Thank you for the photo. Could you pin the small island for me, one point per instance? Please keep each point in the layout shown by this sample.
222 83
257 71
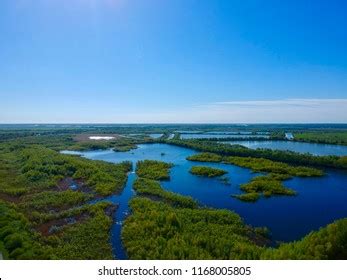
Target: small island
207 171
247 197
267 185
153 169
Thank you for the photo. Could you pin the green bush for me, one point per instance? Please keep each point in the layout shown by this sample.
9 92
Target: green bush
152 188
153 169
207 171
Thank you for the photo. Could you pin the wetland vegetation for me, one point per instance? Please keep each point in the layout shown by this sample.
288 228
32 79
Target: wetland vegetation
43 217
207 171
153 169
337 138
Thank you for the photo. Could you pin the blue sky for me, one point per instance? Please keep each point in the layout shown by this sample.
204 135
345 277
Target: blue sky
168 61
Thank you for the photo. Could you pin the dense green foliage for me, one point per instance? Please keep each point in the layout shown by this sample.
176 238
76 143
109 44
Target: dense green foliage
11 183
265 165
275 155
124 147
153 169
266 185
156 230
19 241
50 221
151 188
50 200
43 168
206 157
82 240
207 171
247 197
339 138
88 240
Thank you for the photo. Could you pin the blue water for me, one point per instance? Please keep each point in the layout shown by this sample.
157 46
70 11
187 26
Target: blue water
319 201
222 135
300 147
238 132
120 215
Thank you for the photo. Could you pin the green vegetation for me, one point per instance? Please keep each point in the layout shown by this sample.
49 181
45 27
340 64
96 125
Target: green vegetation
43 168
274 155
88 240
49 221
151 188
153 169
82 240
205 157
124 148
247 197
51 200
266 185
207 171
265 165
18 240
156 230
338 138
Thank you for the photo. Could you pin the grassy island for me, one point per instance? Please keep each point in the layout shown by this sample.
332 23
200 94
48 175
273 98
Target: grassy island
266 185
247 197
153 169
205 157
207 171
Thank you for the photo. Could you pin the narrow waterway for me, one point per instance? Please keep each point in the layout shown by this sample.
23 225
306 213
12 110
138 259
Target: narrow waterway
122 201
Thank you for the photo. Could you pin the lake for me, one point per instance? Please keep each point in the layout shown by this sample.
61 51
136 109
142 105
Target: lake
221 135
319 201
300 147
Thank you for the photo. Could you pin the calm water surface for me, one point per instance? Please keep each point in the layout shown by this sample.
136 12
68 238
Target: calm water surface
222 135
300 147
319 201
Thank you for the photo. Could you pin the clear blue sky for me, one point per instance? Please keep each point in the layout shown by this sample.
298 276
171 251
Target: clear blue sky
173 61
